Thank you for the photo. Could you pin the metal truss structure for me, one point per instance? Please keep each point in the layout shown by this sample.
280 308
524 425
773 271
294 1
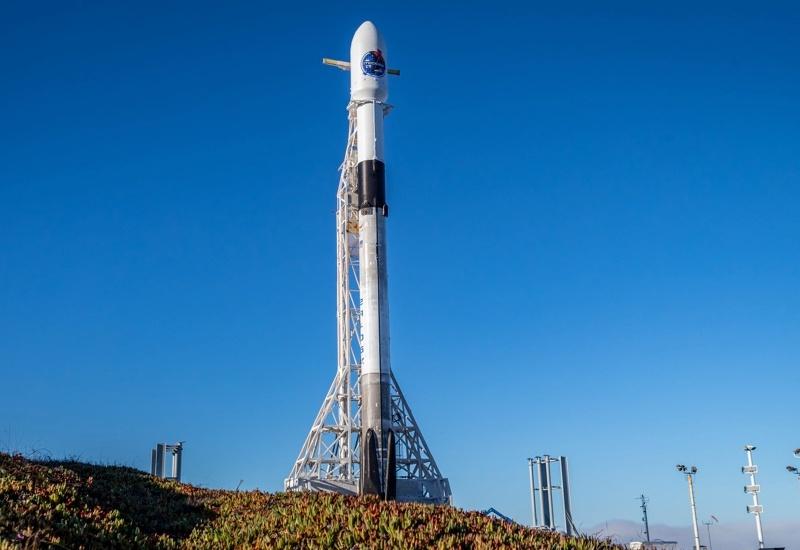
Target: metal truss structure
330 457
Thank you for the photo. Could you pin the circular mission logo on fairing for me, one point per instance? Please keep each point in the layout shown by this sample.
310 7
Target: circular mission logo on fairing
373 64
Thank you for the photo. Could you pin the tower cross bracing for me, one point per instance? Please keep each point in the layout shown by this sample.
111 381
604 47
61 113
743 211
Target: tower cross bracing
330 457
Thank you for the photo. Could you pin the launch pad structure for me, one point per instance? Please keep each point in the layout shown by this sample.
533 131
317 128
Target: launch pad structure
399 463
544 485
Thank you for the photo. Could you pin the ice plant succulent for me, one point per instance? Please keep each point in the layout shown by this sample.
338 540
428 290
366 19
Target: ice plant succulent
45 504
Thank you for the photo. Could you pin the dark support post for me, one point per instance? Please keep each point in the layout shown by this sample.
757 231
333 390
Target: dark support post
176 471
370 477
565 494
391 468
545 494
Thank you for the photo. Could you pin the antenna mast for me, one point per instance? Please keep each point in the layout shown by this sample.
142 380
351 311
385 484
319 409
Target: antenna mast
645 500
753 489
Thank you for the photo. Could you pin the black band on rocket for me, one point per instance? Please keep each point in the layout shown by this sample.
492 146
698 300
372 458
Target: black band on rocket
371 175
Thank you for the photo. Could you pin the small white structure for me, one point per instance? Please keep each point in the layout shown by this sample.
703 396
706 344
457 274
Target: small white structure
545 487
158 460
654 545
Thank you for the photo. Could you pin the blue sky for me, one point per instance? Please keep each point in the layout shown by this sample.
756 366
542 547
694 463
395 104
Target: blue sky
593 248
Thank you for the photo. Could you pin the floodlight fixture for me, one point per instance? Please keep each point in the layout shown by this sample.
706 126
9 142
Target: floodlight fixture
694 469
797 453
680 467
792 469
749 447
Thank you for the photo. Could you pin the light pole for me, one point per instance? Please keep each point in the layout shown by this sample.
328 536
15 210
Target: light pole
689 472
756 509
708 525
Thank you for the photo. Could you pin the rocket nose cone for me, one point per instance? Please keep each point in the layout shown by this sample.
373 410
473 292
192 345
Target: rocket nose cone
368 64
366 34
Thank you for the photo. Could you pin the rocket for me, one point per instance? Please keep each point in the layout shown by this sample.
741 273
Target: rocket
368 94
369 89
365 440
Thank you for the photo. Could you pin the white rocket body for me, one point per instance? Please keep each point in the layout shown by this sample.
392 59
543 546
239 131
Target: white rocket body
368 89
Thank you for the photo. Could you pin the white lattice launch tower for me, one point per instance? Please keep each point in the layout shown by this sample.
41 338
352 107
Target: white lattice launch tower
365 439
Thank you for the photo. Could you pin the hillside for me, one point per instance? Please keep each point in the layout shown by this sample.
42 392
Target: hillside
49 504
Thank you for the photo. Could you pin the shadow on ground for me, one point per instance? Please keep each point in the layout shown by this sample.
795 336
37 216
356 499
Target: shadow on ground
154 506
50 503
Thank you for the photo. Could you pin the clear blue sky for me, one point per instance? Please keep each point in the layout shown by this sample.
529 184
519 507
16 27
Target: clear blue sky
593 248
